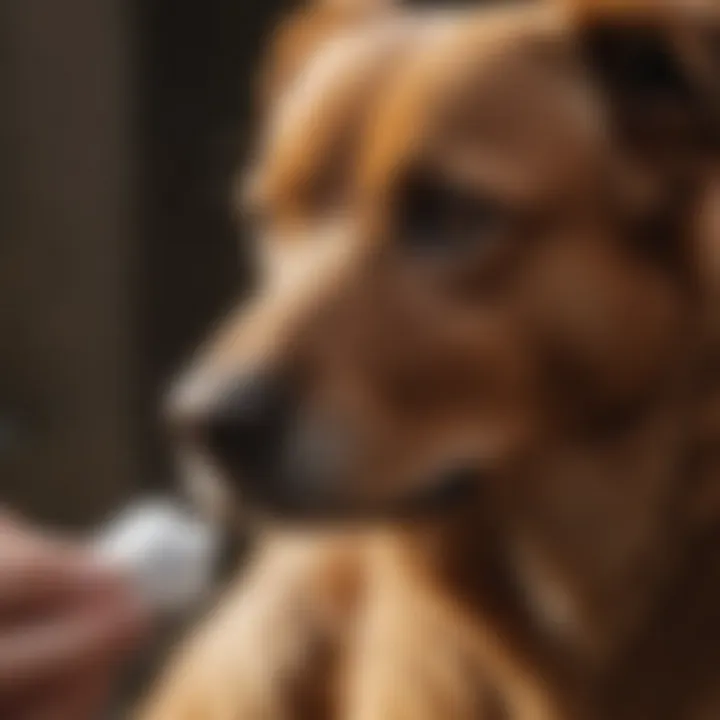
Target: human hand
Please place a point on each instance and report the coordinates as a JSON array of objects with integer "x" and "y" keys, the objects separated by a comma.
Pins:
[{"x": 66, "y": 625}]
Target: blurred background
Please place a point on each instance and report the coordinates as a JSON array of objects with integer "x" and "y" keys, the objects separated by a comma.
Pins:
[{"x": 122, "y": 123}]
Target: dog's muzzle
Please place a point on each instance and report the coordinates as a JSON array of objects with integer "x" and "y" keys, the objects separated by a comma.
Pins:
[{"x": 292, "y": 463}]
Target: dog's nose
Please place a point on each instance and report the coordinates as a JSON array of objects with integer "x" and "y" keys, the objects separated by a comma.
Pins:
[
  {"x": 244, "y": 424},
  {"x": 246, "y": 428}
]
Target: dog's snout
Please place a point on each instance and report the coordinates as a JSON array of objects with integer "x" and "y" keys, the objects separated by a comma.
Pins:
[
  {"x": 241, "y": 424},
  {"x": 246, "y": 427}
]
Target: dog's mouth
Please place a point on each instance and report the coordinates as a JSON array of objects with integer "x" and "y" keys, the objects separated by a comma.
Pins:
[
  {"x": 313, "y": 468},
  {"x": 290, "y": 498},
  {"x": 448, "y": 491}
]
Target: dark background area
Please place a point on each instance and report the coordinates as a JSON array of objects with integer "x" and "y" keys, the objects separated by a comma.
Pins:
[{"x": 122, "y": 124}]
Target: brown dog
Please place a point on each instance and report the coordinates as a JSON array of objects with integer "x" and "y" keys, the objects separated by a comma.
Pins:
[{"x": 487, "y": 334}]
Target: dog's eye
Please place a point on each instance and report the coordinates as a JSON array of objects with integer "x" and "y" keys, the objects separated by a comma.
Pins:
[{"x": 435, "y": 216}]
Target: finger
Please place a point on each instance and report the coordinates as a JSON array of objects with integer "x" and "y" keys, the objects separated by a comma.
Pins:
[
  {"x": 18, "y": 531},
  {"x": 30, "y": 655},
  {"x": 51, "y": 583},
  {"x": 83, "y": 696},
  {"x": 32, "y": 562},
  {"x": 36, "y": 572}
]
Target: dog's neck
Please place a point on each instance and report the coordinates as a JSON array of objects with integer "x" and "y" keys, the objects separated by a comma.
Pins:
[{"x": 589, "y": 609}]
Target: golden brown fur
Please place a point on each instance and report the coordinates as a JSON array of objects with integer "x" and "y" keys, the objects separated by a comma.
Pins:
[{"x": 569, "y": 359}]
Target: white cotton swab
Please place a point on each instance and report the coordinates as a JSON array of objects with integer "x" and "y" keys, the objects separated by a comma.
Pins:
[{"x": 169, "y": 554}]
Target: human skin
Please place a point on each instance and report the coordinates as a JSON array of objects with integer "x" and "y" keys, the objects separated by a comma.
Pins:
[{"x": 67, "y": 624}]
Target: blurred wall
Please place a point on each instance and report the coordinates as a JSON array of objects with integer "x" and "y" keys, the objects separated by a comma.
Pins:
[
  {"x": 199, "y": 63},
  {"x": 121, "y": 125},
  {"x": 67, "y": 246}
]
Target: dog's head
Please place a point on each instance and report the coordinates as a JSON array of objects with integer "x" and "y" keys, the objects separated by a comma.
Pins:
[{"x": 480, "y": 268}]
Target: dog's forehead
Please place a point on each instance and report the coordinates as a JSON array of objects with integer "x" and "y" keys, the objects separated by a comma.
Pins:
[
  {"x": 526, "y": 123},
  {"x": 496, "y": 96},
  {"x": 355, "y": 86},
  {"x": 501, "y": 98}
]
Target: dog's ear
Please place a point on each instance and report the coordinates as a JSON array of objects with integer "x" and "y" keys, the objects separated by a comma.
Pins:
[
  {"x": 659, "y": 63},
  {"x": 327, "y": 64},
  {"x": 298, "y": 36}
]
